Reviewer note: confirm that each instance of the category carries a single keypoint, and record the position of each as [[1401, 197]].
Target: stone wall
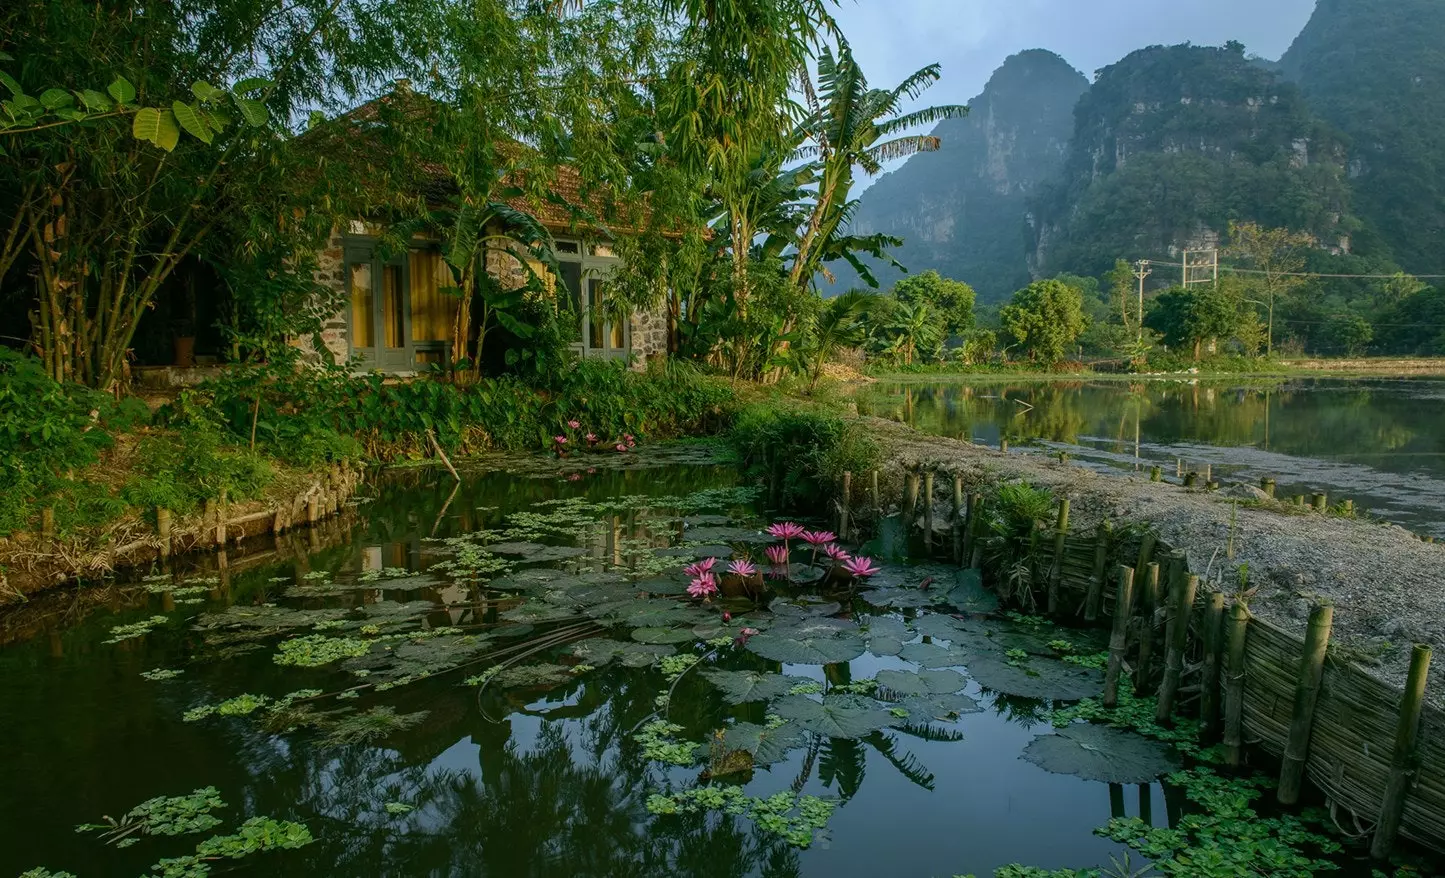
[[649, 336], [331, 273]]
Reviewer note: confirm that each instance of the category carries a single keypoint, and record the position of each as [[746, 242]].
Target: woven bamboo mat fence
[[1345, 729]]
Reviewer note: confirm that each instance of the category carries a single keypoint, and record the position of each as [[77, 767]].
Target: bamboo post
[[970, 535], [843, 508], [47, 523], [1149, 603], [1095, 597], [1156, 474], [1208, 473], [1063, 457], [1350, 507], [1178, 638], [1234, 685], [1268, 485], [1404, 763], [1306, 695], [910, 501], [928, 510], [1119, 637], [1211, 486], [1321, 502], [313, 508], [1178, 467], [1190, 479], [1003, 445], [163, 530], [1146, 550], [873, 493], [221, 521], [208, 512], [956, 526], [1056, 571], [1209, 693], [1299, 500]]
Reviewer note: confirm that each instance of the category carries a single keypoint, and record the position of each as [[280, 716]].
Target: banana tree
[[841, 324]]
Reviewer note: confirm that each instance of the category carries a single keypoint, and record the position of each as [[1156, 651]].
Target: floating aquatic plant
[[1102, 754], [161, 673], [134, 629]]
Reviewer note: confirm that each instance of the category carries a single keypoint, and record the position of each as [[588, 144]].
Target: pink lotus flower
[[703, 586], [627, 437], [698, 568], [785, 530], [861, 567], [816, 538], [836, 552], [575, 477], [742, 567], [560, 440], [591, 438], [574, 424], [743, 635], [727, 617], [777, 554], [622, 449], [631, 443]]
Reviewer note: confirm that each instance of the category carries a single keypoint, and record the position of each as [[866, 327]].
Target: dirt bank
[[1387, 586]]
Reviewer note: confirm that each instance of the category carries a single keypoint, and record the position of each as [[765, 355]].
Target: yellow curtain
[[433, 313]]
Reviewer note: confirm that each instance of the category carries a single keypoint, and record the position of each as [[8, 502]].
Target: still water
[[1378, 442], [538, 776]]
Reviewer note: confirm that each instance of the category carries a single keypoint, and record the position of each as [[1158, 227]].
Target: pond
[[505, 677], [1379, 442]]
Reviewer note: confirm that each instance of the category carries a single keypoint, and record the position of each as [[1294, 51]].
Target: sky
[[971, 38]]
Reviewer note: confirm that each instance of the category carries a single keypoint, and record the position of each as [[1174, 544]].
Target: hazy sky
[[971, 38]]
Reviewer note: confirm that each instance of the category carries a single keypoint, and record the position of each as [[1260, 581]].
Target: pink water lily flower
[[560, 440], [861, 567], [591, 438], [777, 554], [836, 552], [698, 568], [622, 449], [574, 424], [703, 586], [727, 617], [816, 538], [627, 437], [785, 530], [742, 567]]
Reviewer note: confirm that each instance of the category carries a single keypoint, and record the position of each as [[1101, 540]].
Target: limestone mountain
[[1173, 142], [963, 209], [1376, 70]]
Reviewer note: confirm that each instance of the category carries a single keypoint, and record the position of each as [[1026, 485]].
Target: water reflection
[[1379, 442]]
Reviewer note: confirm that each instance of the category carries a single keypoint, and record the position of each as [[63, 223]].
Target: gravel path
[[1387, 586]]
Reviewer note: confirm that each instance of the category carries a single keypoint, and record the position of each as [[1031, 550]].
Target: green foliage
[[951, 301], [1045, 318], [163, 815], [659, 744], [804, 451], [315, 650], [790, 816]]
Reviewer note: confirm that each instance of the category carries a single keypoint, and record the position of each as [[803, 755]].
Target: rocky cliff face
[[962, 210], [1376, 69], [1170, 144]]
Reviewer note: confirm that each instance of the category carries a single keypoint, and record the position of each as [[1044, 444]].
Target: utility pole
[[1141, 271]]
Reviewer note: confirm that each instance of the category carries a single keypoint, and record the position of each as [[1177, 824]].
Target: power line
[[1305, 273]]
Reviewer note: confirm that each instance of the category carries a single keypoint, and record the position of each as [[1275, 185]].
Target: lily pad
[[810, 642], [1103, 754], [1040, 678], [767, 745], [599, 651], [662, 635], [939, 707], [664, 585], [708, 551], [718, 534], [967, 593], [536, 553], [836, 716], [886, 635], [527, 676], [931, 655], [901, 598], [739, 687], [936, 682]]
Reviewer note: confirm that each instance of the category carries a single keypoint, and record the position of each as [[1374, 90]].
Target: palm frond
[[904, 147], [926, 116]]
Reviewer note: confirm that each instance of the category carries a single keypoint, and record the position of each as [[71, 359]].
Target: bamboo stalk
[[1306, 696], [1156, 474], [163, 530], [1003, 445], [874, 494], [928, 510], [956, 520], [910, 501], [1150, 605], [1404, 763], [1268, 485], [1234, 685], [971, 534], [1209, 696], [1119, 637], [47, 523], [843, 509], [1146, 550], [1178, 637], [1056, 573], [1095, 595], [1190, 479], [1321, 502]]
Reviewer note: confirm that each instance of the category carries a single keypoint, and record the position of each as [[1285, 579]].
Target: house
[[395, 318]]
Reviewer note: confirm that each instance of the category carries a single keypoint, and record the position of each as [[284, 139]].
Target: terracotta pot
[[185, 351]]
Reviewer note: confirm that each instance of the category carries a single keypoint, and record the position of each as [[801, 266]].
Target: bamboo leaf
[[252, 111], [190, 119], [121, 90]]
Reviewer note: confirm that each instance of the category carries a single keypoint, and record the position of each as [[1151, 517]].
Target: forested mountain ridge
[[962, 210], [1173, 142], [1376, 70]]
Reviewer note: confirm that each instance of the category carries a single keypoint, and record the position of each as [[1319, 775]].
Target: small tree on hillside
[[1277, 258], [1189, 317], [1045, 318]]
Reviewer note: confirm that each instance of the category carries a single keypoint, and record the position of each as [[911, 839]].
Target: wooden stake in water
[[1119, 636], [1238, 627], [956, 520], [1404, 763], [910, 501], [1321, 502], [928, 510], [163, 530], [1178, 637], [1056, 570], [1095, 596], [1209, 694], [1149, 604], [1306, 696]]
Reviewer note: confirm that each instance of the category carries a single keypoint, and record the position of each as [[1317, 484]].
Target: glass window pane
[[433, 313], [391, 304], [571, 247], [596, 316], [363, 320], [604, 250], [572, 281], [618, 342]]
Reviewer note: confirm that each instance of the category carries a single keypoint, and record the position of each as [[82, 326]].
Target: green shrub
[[181, 471], [804, 451]]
